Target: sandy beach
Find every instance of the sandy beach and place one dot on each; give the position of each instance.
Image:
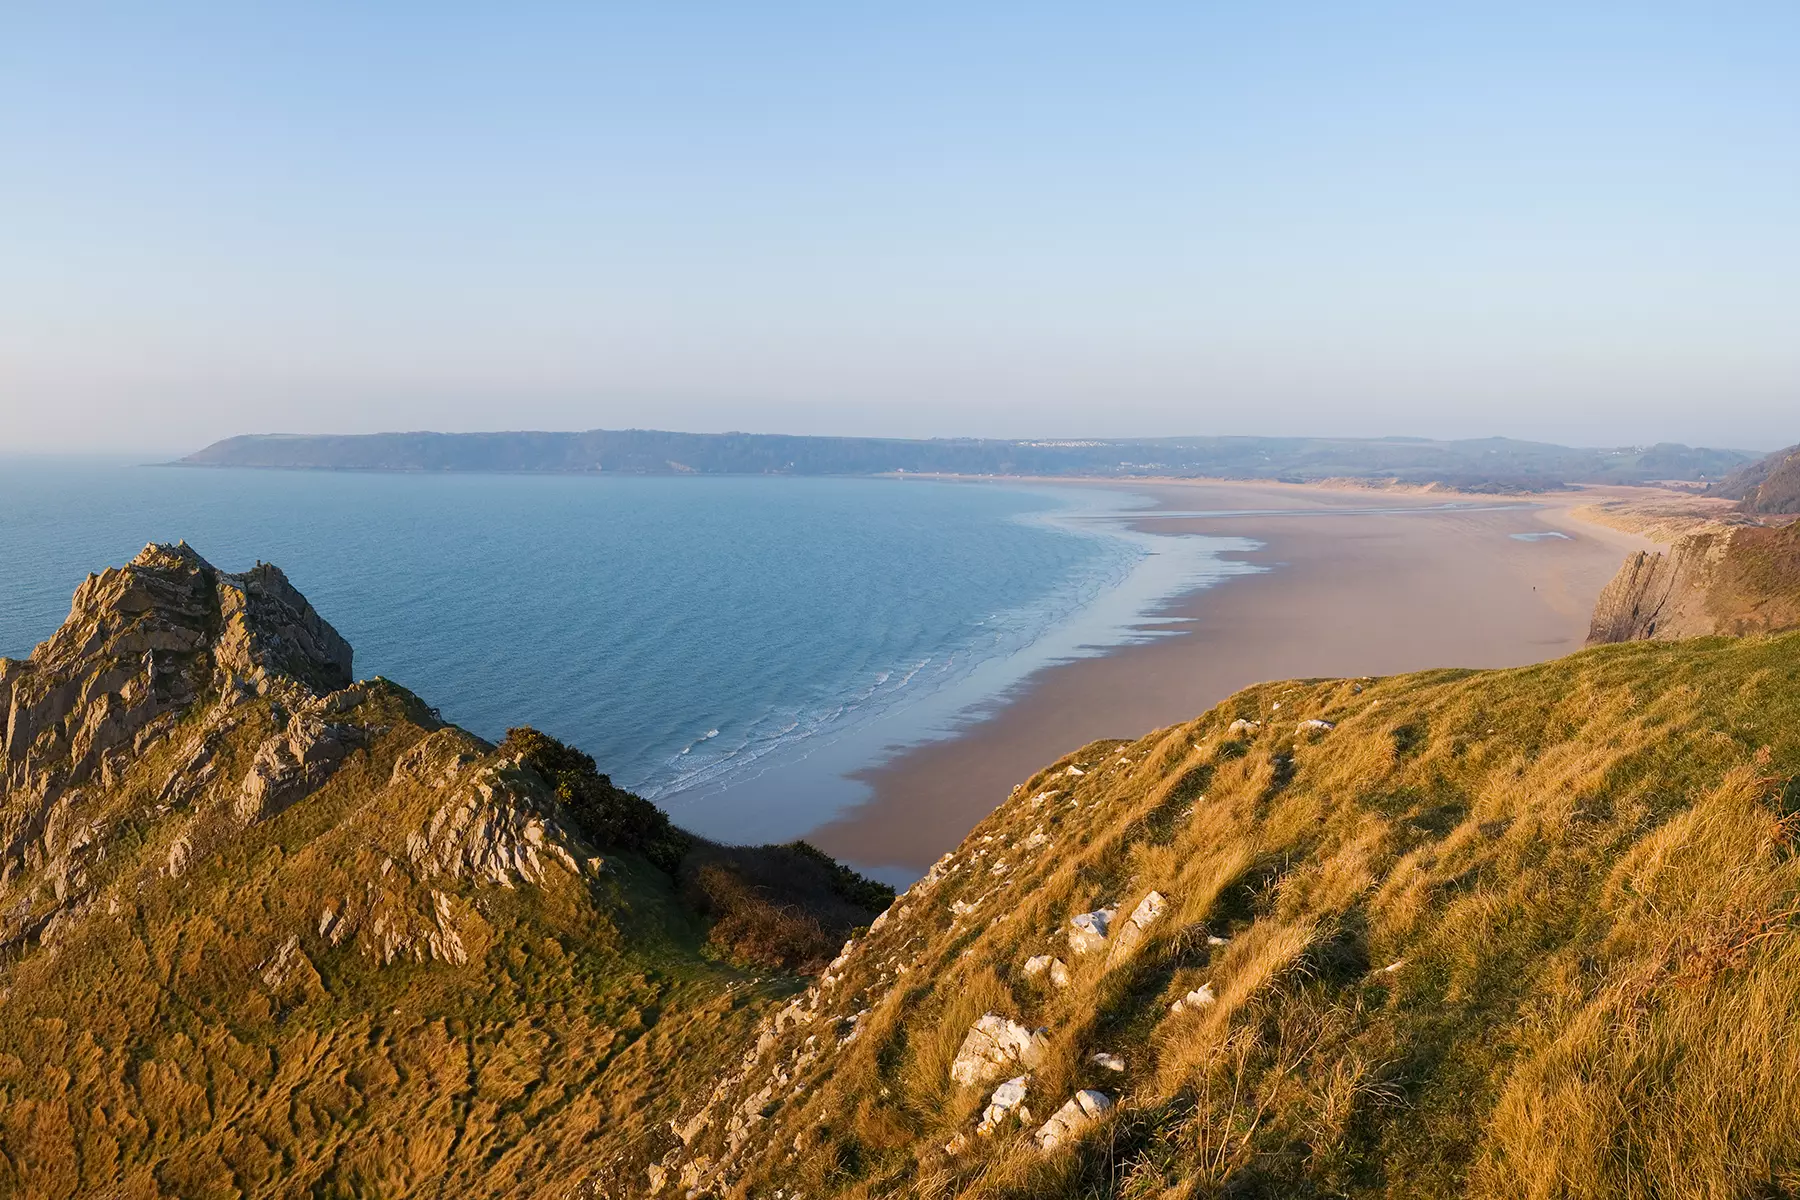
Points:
(1347, 592)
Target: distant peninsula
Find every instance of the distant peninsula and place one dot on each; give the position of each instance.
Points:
(1482, 464)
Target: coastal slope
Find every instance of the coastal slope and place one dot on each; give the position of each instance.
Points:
(1450, 934)
(269, 931)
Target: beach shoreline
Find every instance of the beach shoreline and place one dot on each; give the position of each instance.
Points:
(1357, 581)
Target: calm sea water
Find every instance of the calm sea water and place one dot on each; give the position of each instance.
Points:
(732, 647)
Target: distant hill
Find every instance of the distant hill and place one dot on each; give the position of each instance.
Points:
(1770, 485)
(1490, 464)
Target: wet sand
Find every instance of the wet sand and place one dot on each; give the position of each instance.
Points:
(1347, 593)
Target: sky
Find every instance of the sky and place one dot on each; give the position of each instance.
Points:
(1572, 222)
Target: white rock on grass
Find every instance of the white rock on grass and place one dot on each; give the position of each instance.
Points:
(1074, 770)
(1071, 1119)
(993, 1045)
(1107, 1062)
(1088, 932)
(1314, 723)
(1200, 997)
(1058, 969)
(1007, 1097)
(1135, 927)
(1242, 726)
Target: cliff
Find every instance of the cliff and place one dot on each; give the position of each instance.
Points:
(1451, 934)
(1732, 580)
(268, 931)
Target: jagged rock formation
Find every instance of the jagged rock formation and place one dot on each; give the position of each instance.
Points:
(1733, 580)
(267, 931)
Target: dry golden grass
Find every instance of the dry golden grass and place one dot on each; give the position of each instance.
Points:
(1518, 933)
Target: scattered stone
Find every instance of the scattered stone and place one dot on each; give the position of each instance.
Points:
(1074, 1116)
(1007, 1097)
(1057, 968)
(1088, 932)
(994, 1044)
(1314, 723)
(1132, 932)
(1074, 770)
(1242, 726)
(1392, 967)
(1107, 1062)
(957, 1144)
(1200, 997)
(1215, 940)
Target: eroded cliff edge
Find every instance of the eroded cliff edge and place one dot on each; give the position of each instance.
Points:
(1733, 579)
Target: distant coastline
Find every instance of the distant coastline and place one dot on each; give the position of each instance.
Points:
(1485, 465)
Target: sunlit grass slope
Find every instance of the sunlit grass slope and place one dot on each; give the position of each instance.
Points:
(1501, 934)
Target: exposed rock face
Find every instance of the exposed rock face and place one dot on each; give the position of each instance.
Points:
(1734, 580)
(142, 646)
(1126, 941)
(142, 642)
(1081, 1110)
(993, 1045)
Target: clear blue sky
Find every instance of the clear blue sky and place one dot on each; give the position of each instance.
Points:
(1577, 222)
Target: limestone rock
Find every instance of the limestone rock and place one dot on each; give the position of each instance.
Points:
(1007, 1097)
(1107, 1062)
(1088, 930)
(1200, 997)
(1057, 969)
(1241, 727)
(1128, 936)
(994, 1044)
(292, 764)
(1734, 580)
(1077, 1114)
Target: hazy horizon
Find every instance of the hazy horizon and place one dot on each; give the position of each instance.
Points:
(1579, 227)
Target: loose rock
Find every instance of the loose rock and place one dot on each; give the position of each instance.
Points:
(994, 1043)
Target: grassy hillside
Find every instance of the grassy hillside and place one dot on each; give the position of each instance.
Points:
(1502, 934)
(1768, 485)
(267, 932)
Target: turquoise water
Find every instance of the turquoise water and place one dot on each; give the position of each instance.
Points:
(730, 646)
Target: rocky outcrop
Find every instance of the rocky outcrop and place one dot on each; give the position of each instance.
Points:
(142, 643)
(144, 646)
(993, 1046)
(1733, 580)
(1081, 1110)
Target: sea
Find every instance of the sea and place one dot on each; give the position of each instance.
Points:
(735, 648)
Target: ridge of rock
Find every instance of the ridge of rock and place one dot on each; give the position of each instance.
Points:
(1734, 580)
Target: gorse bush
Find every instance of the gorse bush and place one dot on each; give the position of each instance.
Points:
(608, 815)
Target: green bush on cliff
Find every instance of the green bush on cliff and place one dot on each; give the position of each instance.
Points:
(607, 814)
